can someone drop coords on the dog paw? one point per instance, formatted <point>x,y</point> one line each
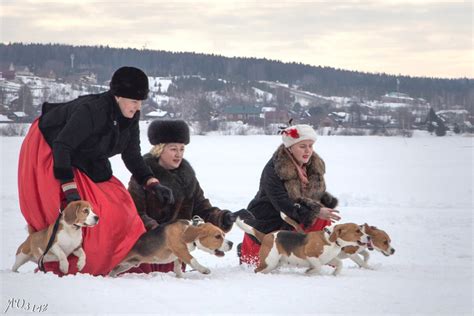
<point>64,267</point>
<point>81,264</point>
<point>204,270</point>
<point>312,271</point>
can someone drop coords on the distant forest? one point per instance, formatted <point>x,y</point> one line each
<point>103,60</point>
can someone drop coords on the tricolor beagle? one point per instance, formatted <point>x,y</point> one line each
<point>311,250</point>
<point>173,242</point>
<point>68,238</point>
<point>378,240</point>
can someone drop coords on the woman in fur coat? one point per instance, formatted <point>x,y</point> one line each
<point>166,161</point>
<point>292,182</point>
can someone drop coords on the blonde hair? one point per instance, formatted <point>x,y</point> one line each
<point>157,150</point>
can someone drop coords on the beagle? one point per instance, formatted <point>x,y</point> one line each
<point>378,240</point>
<point>173,242</point>
<point>312,250</point>
<point>68,238</point>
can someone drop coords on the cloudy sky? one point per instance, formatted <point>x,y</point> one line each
<point>417,38</point>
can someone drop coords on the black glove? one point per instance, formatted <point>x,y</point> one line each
<point>230,218</point>
<point>162,193</point>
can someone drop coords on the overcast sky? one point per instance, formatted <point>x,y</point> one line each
<point>398,37</point>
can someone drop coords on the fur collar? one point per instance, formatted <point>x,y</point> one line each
<point>286,171</point>
<point>285,168</point>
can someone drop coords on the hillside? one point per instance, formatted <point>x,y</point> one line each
<point>44,59</point>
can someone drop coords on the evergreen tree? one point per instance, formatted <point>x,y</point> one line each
<point>456,129</point>
<point>441,129</point>
<point>25,101</point>
<point>203,114</point>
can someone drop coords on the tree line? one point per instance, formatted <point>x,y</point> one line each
<point>103,60</point>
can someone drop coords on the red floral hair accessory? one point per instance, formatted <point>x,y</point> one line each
<point>292,132</point>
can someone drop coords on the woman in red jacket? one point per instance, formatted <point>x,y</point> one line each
<point>65,157</point>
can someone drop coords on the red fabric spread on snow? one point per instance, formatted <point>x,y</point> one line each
<point>105,244</point>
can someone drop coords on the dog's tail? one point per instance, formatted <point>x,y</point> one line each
<point>249,229</point>
<point>30,229</point>
<point>292,222</point>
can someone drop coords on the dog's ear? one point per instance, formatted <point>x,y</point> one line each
<point>191,233</point>
<point>70,212</point>
<point>335,233</point>
<point>366,227</point>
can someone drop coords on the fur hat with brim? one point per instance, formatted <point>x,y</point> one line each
<point>129,82</point>
<point>168,131</point>
<point>297,133</point>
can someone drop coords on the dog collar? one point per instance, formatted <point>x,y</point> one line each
<point>196,220</point>
<point>77,226</point>
<point>327,231</point>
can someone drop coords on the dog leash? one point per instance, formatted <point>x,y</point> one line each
<point>50,243</point>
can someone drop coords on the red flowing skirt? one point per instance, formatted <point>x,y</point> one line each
<point>105,244</point>
<point>250,249</point>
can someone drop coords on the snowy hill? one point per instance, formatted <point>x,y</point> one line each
<point>417,189</point>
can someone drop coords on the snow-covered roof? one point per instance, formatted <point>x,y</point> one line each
<point>268,109</point>
<point>393,105</point>
<point>398,95</point>
<point>20,114</point>
<point>340,114</point>
<point>4,118</point>
<point>453,111</point>
<point>157,113</point>
<point>159,82</point>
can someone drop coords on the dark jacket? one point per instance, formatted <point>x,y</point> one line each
<point>85,132</point>
<point>280,188</point>
<point>189,197</point>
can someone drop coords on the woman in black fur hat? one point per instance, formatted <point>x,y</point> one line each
<point>167,164</point>
<point>65,157</point>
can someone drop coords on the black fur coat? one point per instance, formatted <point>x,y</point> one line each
<point>280,189</point>
<point>189,197</point>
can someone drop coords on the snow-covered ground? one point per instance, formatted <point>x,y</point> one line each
<point>417,189</point>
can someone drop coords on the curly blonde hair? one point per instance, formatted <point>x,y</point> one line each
<point>157,150</point>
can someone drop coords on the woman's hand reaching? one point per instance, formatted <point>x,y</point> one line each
<point>329,214</point>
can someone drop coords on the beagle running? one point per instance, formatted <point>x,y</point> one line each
<point>173,242</point>
<point>378,240</point>
<point>312,250</point>
<point>68,238</point>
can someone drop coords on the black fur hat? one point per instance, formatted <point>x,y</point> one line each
<point>129,82</point>
<point>168,131</point>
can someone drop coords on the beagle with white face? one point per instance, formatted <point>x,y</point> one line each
<point>68,238</point>
<point>312,250</point>
<point>173,242</point>
<point>378,240</point>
